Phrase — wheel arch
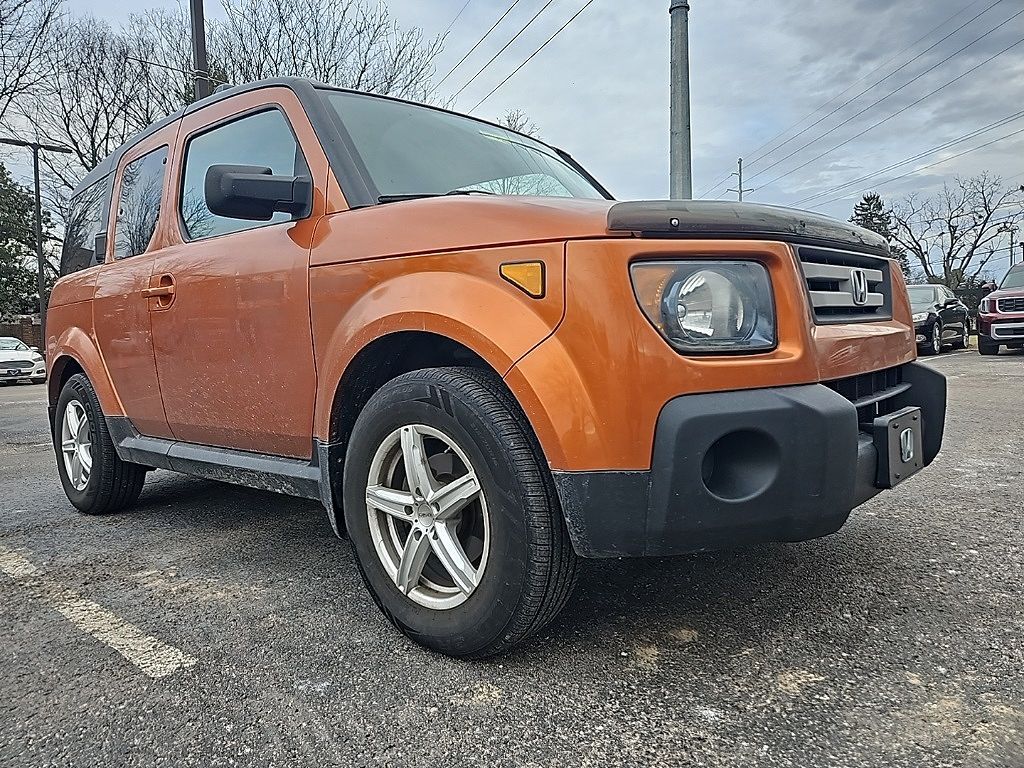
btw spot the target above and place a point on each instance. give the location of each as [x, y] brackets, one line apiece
[378, 362]
[76, 352]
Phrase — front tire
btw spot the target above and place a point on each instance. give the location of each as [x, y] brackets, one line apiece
[453, 514]
[95, 479]
[987, 347]
[933, 345]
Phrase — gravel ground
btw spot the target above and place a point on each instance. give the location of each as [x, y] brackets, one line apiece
[896, 642]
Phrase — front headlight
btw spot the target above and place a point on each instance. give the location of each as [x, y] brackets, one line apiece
[708, 306]
[920, 317]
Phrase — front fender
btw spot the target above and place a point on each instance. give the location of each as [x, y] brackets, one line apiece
[460, 296]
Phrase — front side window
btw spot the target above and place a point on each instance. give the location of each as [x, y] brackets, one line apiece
[262, 139]
[413, 150]
[142, 186]
[87, 219]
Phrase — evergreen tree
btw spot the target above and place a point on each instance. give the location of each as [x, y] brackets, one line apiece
[18, 294]
[872, 214]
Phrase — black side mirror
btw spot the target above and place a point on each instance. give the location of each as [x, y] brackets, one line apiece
[951, 302]
[253, 193]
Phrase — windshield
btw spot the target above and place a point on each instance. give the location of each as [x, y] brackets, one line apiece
[1014, 279]
[10, 343]
[410, 150]
[921, 295]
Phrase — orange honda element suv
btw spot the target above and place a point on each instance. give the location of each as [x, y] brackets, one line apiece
[484, 367]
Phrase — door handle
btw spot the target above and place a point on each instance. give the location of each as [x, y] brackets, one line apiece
[160, 290]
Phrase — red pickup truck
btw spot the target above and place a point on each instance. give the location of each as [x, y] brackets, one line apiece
[1001, 315]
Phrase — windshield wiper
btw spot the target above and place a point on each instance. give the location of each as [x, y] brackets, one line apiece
[423, 195]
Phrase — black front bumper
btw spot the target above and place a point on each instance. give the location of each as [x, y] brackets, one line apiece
[729, 468]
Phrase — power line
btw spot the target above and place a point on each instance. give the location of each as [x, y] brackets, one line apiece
[861, 79]
[504, 48]
[920, 155]
[532, 55]
[894, 114]
[476, 45]
[457, 17]
[879, 82]
[932, 165]
[893, 93]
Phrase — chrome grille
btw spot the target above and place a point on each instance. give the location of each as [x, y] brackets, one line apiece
[1015, 304]
[846, 287]
[9, 365]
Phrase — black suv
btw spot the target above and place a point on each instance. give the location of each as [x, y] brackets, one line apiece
[939, 318]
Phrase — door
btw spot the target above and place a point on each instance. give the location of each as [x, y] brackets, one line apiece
[234, 349]
[952, 312]
[121, 316]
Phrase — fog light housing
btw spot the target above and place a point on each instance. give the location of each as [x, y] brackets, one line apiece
[708, 306]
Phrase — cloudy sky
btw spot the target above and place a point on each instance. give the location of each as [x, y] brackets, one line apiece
[758, 69]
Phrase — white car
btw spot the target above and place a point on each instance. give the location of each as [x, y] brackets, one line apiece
[18, 361]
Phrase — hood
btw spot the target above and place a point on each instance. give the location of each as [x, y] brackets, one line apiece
[18, 354]
[1005, 293]
[463, 222]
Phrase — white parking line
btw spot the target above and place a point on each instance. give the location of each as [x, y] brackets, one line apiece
[153, 657]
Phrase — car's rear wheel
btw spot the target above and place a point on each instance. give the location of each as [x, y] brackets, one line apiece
[964, 339]
[453, 515]
[94, 477]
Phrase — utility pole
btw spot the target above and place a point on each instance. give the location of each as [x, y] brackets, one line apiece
[199, 62]
[738, 173]
[1011, 231]
[40, 259]
[680, 169]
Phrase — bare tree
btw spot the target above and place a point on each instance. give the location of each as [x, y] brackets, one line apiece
[955, 234]
[25, 27]
[517, 120]
[350, 43]
[86, 100]
[103, 84]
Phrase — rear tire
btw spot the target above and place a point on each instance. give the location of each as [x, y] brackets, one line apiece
[95, 479]
[964, 340]
[511, 534]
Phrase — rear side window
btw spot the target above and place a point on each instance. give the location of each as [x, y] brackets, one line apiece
[86, 220]
[142, 186]
[263, 139]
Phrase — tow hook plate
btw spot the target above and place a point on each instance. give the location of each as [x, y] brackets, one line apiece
[898, 442]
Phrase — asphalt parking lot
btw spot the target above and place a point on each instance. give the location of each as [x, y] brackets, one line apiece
[222, 626]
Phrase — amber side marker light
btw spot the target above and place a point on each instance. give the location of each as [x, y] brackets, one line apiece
[528, 276]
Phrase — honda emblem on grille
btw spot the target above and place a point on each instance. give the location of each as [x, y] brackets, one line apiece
[907, 445]
[859, 283]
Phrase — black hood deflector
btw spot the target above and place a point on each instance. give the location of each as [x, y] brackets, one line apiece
[717, 219]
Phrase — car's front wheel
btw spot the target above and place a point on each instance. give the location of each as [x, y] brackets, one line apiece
[933, 342]
[987, 347]
[94, 477]
[453, 515]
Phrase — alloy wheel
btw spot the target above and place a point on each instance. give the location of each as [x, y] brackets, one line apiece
[936, 339]
[76, 445]
[428, 516]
